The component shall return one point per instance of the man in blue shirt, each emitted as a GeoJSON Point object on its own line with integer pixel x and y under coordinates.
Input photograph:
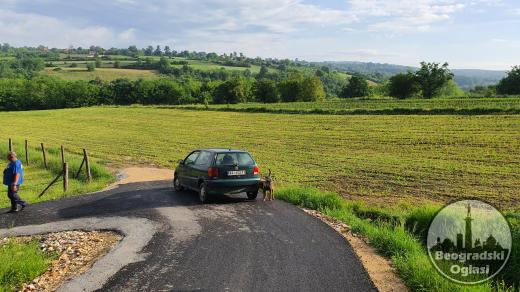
{"type": "Point", "coordinates": [13, 178]}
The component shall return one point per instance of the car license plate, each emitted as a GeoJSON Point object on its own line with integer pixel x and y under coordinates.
{"type": "Point", "coordinates": [236, 172]}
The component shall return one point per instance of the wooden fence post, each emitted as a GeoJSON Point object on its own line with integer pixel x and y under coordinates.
{"type": "Point", "coordinates": [26, 152]}
{"type": "Point", "coordinates": [65, 176]}
{"type": "Point", "coordinates": [62, 154]}
{"type": "Point", "coordinates": [10, 145]}
{"type": "Point", "coordinates": [44, 157]}
{"type": "Point", "coordinates": [87, 165]}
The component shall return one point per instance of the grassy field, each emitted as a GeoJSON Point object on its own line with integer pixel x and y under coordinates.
{"type": "Point", "coordinates": [380, 106]}
{"type": "Point", "coordinates": [207, 66]}
{"type": "Point", "coordinates": [380, 159]}
{"type": "Point", "coordinates": [37, 177]}
{"type": "Point", "coordinates": [21, 263]}
{"type": "Point", "coordinates": [107, 74]}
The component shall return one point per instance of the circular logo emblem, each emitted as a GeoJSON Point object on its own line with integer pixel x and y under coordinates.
{"type": "Point", "coordinates": [469, 242]}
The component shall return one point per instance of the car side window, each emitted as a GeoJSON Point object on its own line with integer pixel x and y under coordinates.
{"type": "Point", "coordinates": [191, 158]}
{"type": "Point", "coordinates": [203, 159]}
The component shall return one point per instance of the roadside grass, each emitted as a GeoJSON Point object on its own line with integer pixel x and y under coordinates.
{"type": "Point", "coordinates": [21, 263]}
{"type": "Point", "coordinates": [36, 177]}
{"type": "Point", "coordinates": [398, 241]}
{"type": "Point", "coordinates": [378, 106]}
{"type": "Point", "coordinates": [384, 160]}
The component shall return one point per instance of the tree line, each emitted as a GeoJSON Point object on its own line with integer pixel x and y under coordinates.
{"type": "Point", "coordinates": [431, 80]}
{"type": "Point", "coordinates": [52, 93]}
{"type": "Point", "coordinates": [286, 82]}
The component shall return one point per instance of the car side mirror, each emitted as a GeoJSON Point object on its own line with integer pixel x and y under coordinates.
{"type": "Point", "coordinates": [181, 162]}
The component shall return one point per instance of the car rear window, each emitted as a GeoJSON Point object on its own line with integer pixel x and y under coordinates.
{"type": "Point", "coordinates": [234, 158]}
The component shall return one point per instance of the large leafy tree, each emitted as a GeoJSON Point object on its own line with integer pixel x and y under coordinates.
{"type": "Point", "coordinates": [290, 87]}
{"type": "Point", "coordinates": [403, 85]}
{"type": "Point", "coordinates": [356, 87]}
{"type": "Point", "coordinates": [511, 83]}
{"type": "Point", "coordinates": [311, 89]}
{"type": "Point", "coordinates": [158, 51]}
{"type": "Point", "coordinates": [265, 90]}
{"type": "Point", "coordinates": [232, 91]}
{"type": "Point", "coordinates": [167, 51]}
{"type": "Point", "coordinates": [432, 77]}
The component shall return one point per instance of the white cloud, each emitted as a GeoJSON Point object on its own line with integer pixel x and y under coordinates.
{"type": "Point", "coordinates": [275, 16]}
{"type": "Point", "coordinates": [34, 29]}
{"type": "Point", "coordinates": [404, 15]}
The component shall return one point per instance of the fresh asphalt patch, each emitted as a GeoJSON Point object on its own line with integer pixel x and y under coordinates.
{"type": "Point", "coordinates": [176, 244]}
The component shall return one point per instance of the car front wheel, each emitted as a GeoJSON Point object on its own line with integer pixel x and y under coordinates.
{"type": "Point", "coordinates": [177, 184]}
{"type": "Point", "coordinates": [203, 193]}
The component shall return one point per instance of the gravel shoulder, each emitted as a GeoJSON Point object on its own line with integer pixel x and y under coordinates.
{"type": "Point", "coordinates": [77, 251]}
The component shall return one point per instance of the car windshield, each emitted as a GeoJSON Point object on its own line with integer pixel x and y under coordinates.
{"type": "Point", "coordinates": [234, 158]}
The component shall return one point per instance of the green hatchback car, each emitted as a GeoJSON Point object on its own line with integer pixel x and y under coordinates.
{"type": "Point", "coordinates": [218, 171]}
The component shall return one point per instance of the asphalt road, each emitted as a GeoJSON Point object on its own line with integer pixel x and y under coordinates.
{"type": "Point", "coordinates": [230, 244]}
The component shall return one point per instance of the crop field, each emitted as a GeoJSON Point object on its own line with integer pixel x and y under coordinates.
{"type": "Point", "coordinates": [383, 159]}
{"type": "Point", "coordinates": [107, 74]}
{"type": "Point", "coordinates": [379, 106]}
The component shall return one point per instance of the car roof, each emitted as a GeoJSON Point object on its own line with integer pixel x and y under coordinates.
{"type": "Point", "coordinates": [220, 150]}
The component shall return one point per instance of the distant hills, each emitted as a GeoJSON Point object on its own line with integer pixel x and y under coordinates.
{"type": "Point", "coordinates": [465, 78]}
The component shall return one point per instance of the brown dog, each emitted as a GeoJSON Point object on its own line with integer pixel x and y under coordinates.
{"type": "Point", "coordinates": [267, 186]}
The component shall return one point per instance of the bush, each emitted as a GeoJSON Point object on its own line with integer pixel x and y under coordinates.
{"type": "Point", "coordinates": [403, 85]}
{"type": "Point", "coordinates": [298, 87]}
{"type": "Point", "coordinates": [511, 83]}
{"type": "Point", "coordinates": [232, 91]}
{"type": "Point", "coordinates": [357, 87]}
{"type": "Point", "coordinates": [91, 67]}
{"type": "Point", "coordinates": [265, 90]}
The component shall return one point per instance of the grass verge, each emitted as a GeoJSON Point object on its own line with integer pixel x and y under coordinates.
{"type": "Point", "coordinates": [21, 262]}
{"type": "Point", "coordinates": [397, 234]}
{"type": "Point", "coordinates": [36, 177]}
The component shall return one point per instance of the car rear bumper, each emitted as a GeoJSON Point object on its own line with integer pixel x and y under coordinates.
{"type": "Point", "coordinates": [219, 186]}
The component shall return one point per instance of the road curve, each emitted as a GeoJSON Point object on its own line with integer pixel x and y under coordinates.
{"type": "Point", "coordinates": [230, 244]}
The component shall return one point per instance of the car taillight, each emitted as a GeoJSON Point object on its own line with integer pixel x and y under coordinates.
{"type": "Point", "coordinates": [256, 170]}
{"type": "Point", "coordinates": [212, 172]}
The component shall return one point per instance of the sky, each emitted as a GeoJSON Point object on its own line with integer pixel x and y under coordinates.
{"type": "Point", "coordinates": [483, 34]}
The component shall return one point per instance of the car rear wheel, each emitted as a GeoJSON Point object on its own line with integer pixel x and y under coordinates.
{"type": "Point", "coordinates": [177, 184]}
{"type": "Point", "coordinates": [203, 193]}
{"type": "Point", "coordinates": [252, 195]}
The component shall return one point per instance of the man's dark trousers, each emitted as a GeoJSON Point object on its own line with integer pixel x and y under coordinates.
{"type": "Point", "coordinates": [15, 198]}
